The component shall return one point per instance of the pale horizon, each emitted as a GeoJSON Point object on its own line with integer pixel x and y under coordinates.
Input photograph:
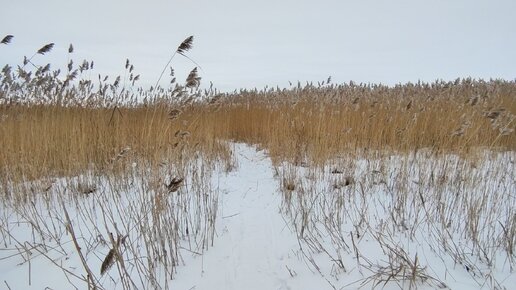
{"type": "Point", "coordinates": [253, 45]}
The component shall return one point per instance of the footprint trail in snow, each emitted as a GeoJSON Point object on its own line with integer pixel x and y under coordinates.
{"type": "Point", "coordinates": [253, 248]}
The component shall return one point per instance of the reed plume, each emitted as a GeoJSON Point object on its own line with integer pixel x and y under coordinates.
{"type": "Point", "coordinates": [186, 45]}
{"type": "Point", "coordinates": [109, 260]}
{"type": "Point", "coordinates": [7, 39]}
{"type": "Point", "coordinates": [46, 48]}
{"type": "Point", "coordinates": [193, 80]}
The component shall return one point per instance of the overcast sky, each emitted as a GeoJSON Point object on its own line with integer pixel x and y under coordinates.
{"type": "Point", "coordinates": [246, 44]}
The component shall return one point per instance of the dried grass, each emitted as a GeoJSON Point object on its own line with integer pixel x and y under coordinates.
{"type": "Point", "coordinates": [54, 126]}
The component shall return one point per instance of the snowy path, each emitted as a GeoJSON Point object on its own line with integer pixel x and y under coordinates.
{"type": "Point", "coordinates": [254, 249]}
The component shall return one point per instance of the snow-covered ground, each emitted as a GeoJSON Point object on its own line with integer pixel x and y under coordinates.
{"type": "Point", "coordinates": [284, 227]}
{"type": "Point", "coordinates": [254, 248]}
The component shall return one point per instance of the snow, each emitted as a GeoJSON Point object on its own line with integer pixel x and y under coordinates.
{"type": "Point", "coordinates": [258, 241]}
{"type": "Point", "coordinates": [254, 248]}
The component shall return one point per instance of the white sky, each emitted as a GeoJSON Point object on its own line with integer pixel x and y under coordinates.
{"type": "Point", "coordinates": [246, 44]}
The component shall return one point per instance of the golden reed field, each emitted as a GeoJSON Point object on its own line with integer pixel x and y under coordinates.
{"type": "Point", "coordinates": [97, 171]}
{"type": "Point", "coordinates": [42, 135]}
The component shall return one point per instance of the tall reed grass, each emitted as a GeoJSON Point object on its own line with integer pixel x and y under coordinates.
{"type": "Point", "coordinates": [321, 122]}
{"type": "Point", "coordinates": [104, 138]}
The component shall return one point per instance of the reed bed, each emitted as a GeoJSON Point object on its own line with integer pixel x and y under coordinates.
{"type": "Point", "coordinates": [301, 124]}
{"type": "Point", "coordinates": [317, 123]}
{"type": "Point", "coordinates": [145, 157]}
